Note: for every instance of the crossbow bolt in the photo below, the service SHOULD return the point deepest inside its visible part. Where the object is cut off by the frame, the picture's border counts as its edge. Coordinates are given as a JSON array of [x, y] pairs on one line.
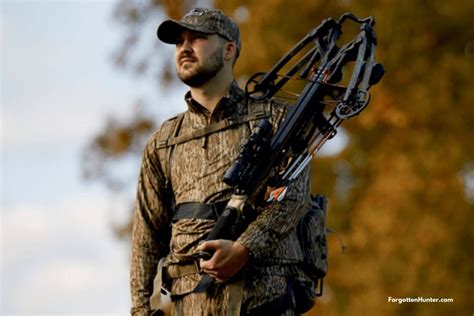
[[277, 194]]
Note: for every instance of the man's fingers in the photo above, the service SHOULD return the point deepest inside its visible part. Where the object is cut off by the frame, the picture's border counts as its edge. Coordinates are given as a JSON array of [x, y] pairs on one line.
[[219, 265], [208, 248], [209, 245]]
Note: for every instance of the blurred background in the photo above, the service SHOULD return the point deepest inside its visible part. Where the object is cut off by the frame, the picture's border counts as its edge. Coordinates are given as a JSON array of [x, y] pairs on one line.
[[84, 84]]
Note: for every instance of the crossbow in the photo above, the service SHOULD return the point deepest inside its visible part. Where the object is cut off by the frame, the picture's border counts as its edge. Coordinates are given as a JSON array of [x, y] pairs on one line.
[[267, 160]]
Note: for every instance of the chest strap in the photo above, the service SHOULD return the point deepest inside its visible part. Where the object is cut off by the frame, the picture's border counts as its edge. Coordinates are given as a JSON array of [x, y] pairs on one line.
[[258, 111], [194, 210]]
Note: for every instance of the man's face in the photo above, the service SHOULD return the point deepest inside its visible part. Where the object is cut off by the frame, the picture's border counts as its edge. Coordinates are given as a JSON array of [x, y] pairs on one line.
[[198, 57]]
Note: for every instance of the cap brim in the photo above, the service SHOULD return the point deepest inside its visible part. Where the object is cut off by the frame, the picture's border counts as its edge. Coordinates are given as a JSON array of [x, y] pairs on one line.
[[170, 30]]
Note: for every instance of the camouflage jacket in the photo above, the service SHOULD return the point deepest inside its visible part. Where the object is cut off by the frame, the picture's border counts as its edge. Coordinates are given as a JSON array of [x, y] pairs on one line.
[[196, 170]]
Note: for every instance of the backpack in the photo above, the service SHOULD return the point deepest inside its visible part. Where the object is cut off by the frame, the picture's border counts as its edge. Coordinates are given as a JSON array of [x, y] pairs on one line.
[[311, 231]]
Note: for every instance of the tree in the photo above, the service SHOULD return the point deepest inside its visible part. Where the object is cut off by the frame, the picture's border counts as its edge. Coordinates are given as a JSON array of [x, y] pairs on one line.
[[401, 191]]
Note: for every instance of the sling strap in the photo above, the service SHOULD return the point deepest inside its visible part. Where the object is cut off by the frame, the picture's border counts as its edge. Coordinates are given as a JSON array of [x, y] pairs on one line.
[[255, 112], [160, 299]]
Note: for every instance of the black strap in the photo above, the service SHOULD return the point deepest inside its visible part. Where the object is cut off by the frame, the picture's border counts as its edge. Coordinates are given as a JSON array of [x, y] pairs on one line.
[[194, 210]]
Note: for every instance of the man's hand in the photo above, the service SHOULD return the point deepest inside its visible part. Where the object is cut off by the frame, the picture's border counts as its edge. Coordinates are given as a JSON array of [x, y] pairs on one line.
[[227, 259]]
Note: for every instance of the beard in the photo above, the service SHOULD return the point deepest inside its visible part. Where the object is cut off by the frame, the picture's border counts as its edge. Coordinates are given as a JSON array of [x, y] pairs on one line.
[[202, 72]]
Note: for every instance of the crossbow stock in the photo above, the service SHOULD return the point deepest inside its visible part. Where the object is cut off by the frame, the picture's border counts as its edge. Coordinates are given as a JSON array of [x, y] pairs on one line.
[[274, 161]]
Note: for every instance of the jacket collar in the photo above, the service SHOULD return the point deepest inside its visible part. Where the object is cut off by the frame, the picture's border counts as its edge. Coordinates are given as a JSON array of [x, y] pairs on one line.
[[225, 105]]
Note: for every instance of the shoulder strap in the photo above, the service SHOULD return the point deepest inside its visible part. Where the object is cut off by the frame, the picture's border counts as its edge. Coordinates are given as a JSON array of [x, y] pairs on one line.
[[168, 130], [255, 112]]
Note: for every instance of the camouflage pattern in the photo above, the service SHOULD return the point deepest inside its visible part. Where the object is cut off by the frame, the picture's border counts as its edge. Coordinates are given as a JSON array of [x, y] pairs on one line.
[[204, 20], [197, 168]]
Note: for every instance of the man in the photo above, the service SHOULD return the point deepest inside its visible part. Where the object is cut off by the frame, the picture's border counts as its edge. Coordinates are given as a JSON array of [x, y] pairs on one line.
[[181, 192]]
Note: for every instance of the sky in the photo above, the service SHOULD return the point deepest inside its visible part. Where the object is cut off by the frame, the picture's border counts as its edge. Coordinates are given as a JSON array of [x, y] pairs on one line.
[[58, 251], [58, 84]]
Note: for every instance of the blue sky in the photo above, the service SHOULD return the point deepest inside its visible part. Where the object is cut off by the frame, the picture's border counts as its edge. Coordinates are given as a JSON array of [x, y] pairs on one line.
[[58, 85]]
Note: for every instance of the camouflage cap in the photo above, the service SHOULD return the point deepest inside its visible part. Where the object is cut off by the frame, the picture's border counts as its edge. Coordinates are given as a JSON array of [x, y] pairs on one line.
[[208, 21]]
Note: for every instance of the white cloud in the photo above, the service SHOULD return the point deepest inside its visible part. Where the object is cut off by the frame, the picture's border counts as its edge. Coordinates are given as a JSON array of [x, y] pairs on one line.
[[63, 259], [48, 125]]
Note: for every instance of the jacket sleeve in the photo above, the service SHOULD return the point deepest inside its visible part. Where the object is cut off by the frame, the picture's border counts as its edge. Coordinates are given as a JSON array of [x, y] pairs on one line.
[[277, 220], [151, 229]]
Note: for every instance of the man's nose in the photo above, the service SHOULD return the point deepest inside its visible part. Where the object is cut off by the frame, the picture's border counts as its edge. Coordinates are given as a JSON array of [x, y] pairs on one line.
[[185, 46]]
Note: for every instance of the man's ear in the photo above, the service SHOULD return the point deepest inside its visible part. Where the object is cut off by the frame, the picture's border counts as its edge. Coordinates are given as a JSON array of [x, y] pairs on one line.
[[230, 51]]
